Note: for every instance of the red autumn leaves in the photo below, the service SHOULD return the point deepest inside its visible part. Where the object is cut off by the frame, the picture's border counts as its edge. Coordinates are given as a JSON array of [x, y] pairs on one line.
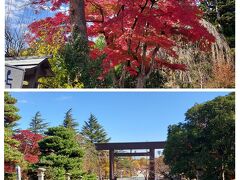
[[29, 145], [137, 32]]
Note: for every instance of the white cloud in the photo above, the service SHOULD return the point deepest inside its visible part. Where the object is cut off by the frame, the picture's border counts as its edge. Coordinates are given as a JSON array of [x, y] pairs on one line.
[[15, 7], [20, 13], [23, 101], [63, 8], [63, 98]]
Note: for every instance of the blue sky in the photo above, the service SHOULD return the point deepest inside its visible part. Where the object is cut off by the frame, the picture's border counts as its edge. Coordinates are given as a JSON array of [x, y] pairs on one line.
[[20, 13], [126, 116]]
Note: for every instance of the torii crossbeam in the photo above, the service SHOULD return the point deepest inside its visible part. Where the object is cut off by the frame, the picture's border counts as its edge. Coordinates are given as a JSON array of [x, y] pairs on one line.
[[151, 146]]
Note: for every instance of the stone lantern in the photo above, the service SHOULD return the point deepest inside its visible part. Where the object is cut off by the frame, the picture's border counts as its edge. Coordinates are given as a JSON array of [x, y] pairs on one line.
[[40, 173], [68, 176]]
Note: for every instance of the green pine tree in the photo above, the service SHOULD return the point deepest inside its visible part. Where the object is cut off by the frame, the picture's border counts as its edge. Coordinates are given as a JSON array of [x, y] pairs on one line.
[[61, 154], [12, 156], [10, 111], [37, 125], [69, 122], [93, 131]]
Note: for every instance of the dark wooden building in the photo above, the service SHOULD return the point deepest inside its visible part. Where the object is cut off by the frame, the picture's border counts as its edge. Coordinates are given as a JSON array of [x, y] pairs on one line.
[[34, 67]]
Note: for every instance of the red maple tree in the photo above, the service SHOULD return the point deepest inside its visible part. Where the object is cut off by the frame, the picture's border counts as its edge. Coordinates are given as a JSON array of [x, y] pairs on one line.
[[9, 168], [29, 145], [140, 34]]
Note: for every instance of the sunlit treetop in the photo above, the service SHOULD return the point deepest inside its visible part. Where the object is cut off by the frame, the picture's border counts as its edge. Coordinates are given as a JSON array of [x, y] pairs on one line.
[[138, 33]]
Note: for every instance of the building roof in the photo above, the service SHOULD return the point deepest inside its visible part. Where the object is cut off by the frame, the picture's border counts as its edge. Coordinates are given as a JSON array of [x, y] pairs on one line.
[[32, 62]]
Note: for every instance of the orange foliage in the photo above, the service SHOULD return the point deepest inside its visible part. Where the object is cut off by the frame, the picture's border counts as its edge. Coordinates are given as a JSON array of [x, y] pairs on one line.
[[223, 75]]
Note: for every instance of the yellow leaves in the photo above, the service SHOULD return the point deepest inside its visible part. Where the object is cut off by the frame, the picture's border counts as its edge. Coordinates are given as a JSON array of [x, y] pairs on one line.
[[25, 52], [43, 48], [76, 85], [93, 7]]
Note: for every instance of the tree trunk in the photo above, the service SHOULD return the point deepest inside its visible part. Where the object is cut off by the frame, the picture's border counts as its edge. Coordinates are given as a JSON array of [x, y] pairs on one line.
[[223, 173], [77, 17], [217, 11], [141, 81], [122, 78]]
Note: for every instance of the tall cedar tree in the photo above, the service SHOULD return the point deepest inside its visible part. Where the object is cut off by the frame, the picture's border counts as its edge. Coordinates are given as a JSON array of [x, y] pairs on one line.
[[12, 156], [93, 131], [37, 125], [61, 154], [69, 122], [140, 35], [204, 146]]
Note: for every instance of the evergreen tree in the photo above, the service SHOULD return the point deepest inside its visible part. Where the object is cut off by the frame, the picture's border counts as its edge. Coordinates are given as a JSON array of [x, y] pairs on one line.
[[93, 131], [37, 125], [222, 14], [61, 154], [10, 111], [69, 122], [204, 146], [75, 57], [82, 70], [12, 156]]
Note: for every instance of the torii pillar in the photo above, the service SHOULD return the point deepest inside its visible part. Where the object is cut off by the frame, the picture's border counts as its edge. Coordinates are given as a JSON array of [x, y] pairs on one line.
[[152, 165], [111, 163]]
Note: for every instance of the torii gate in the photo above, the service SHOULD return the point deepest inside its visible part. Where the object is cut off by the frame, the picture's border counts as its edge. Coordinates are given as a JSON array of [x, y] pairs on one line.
[[151, 146]]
